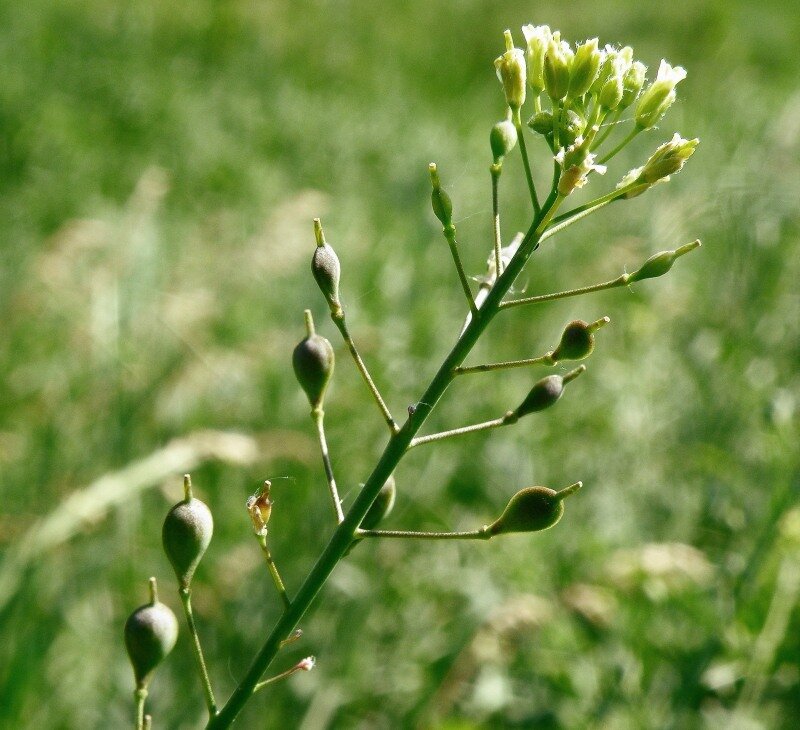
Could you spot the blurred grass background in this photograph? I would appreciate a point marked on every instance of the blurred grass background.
(159, 167)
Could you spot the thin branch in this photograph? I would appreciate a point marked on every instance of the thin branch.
(546, 359)
(526, 163)
(186, 600)
(273, 570)
(450, 235)
(508, 419)
(318, 416)
(619, 281)
(481, 534)
(496, 169)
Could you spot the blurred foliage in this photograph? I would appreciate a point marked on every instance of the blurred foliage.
(159, 167)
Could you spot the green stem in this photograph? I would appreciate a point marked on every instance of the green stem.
(186, 600)
(624, 142)
(318, 416)
(526, 163)
(339, 320)
(496, 169)
(482, 534)
(546, 359)
(506, 420)
(283, 675)
(140, 695)
(608, 130)
(450, 234)
(273, 570)
(619, 281)
(345, 533)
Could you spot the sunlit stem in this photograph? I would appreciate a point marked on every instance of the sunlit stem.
(573, 216)
(608, 130)
(450, 234)
(186, 600)
(148, 723)
(507, 420)
(338, 318)
(481, 534)
(318, 416)
(140, 696)
(546, 359)
(622, 144)
(496, 169)
(549, 215)
(273, 569)
(526, 163)
(306, 665)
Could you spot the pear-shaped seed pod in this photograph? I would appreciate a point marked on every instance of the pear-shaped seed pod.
(532, 509)
(546, 392)
(440, 200)
(542, 122)
(313, 362)
(657, 265)
(577, 340)
(502, 139)
(326, 269)
(382, 506)
(150, 633)
(186, 533)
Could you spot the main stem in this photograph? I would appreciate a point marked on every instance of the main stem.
(345, 533)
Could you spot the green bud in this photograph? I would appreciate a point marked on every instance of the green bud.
(572, 127)
(583, 69)
(503, 139)
(577, 340)
(511, 72)
(382, 506)
(660, 263)
(659, 96)
(557, 61)
(186, 533)
(440, 200)
(537, 39)
(632, 83)
(546, 392)
(542, 123)
(313, 362)
(150, 634)
(326, 269)
(532, 509)
(668, 159)
(577, 162)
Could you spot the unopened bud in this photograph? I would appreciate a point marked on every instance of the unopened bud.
(542, 122)
(313, 362)
(583, 69)
(577, 340)
(668, 159)
(326, 269)
(186, 533)
(537, 39)
(546, 392)
(532, 509)
(659, 96)
(632, 83)
(511, 72)
(503, 139)
(440, 200)
(557, 61)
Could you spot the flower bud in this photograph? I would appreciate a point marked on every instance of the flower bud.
(511, 72)
(326, 269)
(542, 122)
(440, 200)
(532, 509)
(577, 340)
(150, 633)
(557, 62)
(382, 506)
(659, 96)
(577, 162)
(546, 392)
(668, 159)
(186, 533)
(313, 361)
(583, 69)
(503, 139)
(632, 83)
(572, 126)
(537, 38)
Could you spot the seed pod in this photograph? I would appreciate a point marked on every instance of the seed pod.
(546, 392)
(657, 265)
(382, 505)
(440, 200)
(502, 139)
(577, 340)
(542, 122)
(326, 269)
(186, 534)
(150, 633)
(313, 363)
(532, 509)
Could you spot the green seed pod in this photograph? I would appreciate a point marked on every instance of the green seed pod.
(542, 123)
(577, 340)
(150, 633)
(313, 361)
(532, 509)
(440, 200)
(186, 534)
(657, 265)
(382, 506)
(546, 392)
(326, 269)
(502, 139)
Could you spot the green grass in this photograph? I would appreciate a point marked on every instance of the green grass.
(159, 169)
